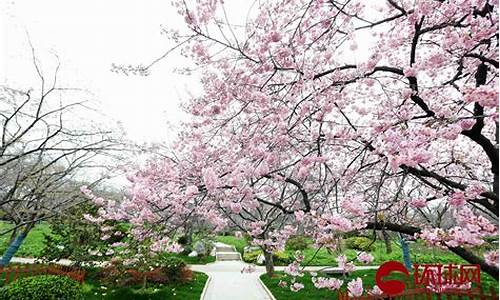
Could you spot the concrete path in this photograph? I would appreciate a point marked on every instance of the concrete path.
(28, 260)
(62, 262)
(227, 279)
(225, 252)
(229, 283)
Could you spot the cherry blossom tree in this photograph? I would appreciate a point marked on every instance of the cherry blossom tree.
(302, 123)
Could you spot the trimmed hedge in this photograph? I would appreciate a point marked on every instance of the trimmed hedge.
(42, 287)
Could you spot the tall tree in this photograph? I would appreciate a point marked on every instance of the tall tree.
(295, 128)
(46, 149)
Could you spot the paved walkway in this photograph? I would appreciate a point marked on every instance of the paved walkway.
(63, 262)
(28, 260)
(229, 283)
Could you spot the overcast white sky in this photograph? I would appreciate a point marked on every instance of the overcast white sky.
(88, 36)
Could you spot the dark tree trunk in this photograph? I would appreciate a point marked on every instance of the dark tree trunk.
(387, 241)
(13, 235)
(189, 235)
(269, 263)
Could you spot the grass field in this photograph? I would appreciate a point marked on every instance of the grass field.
(32, 245)
(181, 291)
(311, 292)
(419, 252)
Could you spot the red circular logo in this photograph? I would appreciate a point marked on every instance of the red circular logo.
(391, 287)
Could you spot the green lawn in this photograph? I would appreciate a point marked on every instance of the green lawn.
(310, 292)
(420, 253)
(32, 245)
(181, 291)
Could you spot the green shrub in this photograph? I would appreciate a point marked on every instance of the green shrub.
(42, 287)
(251, 257)
(298, 242)
(360, 243)
(203, 247)
(4, 292)
(282, 258)
(172, 267)
(279, 258)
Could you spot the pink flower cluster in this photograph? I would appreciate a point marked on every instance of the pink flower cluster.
(485, 95)
(344, 265)
(294, 270)
(491, 258)
(355, 287)
(295, 287)
(470, 231)
(327, 283)
(365, 258)
(418, 203)
(354, 206)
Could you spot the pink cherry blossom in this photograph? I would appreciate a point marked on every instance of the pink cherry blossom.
(295, 287)
(210, 179)
(491, 257)
(354, 206)
(191, 190)
(418, 203)
(457, 199)
(274, 36)
(375, 291)
(294, 270)
(365, 258)
(355, 287)
(236, 207)
(344, 265)
(328, 283)
(291, 132)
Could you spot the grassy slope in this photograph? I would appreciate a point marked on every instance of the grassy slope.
(310, 292)
(32, 245)
(186, 291)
